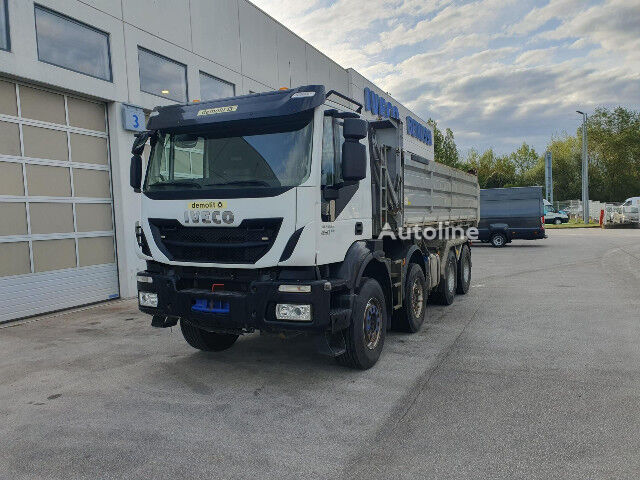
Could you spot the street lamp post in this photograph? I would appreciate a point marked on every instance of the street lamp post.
(585, 169)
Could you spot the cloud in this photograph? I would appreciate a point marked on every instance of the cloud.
(497, 72)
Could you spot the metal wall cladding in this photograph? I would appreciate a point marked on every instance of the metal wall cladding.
(437, 193)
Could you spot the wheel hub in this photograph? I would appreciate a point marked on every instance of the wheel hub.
(372, 323)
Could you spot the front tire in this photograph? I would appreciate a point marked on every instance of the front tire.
(447, 288)
(557, 221)
(464, 271)
(411, 317)
(498, 240)
(365, 336)
(206, 341)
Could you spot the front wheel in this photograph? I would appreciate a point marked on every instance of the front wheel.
(365, 336)
(557, 221)
(498, 240)
(206, 341)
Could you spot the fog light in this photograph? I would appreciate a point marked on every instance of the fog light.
(294, 288)
(148, 299)
(293, 312)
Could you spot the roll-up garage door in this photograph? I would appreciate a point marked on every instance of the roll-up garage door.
(57, 245)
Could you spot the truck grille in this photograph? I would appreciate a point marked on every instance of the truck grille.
(246, 243)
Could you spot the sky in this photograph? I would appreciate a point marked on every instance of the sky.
(497, 72)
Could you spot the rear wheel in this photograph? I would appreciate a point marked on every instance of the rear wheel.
(365, 336)
(447, 288)
(498, 240)
(411, 316)
(464, 271)
(557, 221)
(206, 341)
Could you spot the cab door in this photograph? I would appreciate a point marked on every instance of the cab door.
(345, 213)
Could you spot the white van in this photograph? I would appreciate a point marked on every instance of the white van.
(630, 210)
(551, 215)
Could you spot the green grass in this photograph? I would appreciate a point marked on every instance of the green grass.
(572, 223)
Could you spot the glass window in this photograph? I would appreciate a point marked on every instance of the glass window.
(70, 44)
(273, 158)
(212, 88)
(5, 43)
(332, 141)
(162, 76)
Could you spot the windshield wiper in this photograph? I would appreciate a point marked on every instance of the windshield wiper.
(257, 183)
(178, 183)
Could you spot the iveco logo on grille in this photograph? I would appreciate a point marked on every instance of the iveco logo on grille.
(208, 216)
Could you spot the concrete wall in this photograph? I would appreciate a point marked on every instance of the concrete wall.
(230, 39)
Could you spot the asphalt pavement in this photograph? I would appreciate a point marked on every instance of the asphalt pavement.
(535, 373)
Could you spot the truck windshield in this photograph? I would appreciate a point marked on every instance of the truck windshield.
(197, 161)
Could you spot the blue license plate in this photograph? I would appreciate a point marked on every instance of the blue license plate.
(210, 306)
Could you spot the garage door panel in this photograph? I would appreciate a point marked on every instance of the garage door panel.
(42, 105)
(9, 139)
(13, 218)
(14, 258)
(11, 180)
(53, 249)
(54, 254)
(91, 183)
(45, 143)
(56, 290)
(46, 181)
(51, 218)
(94, 217)
(8, 102)
(84, 114)
(95, 251)
(88, 149)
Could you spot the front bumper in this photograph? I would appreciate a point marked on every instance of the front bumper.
(243, 311)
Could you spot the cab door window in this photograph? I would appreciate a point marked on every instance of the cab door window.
(332, 141)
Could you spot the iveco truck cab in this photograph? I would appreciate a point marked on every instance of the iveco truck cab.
(264, 212)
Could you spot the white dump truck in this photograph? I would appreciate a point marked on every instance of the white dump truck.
(297, 211)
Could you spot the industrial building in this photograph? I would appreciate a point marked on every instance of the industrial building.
(77, 78)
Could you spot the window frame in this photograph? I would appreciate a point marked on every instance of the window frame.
(5, 5)
(337, 140)
(186, 79)
(37, 6)
(201, 73)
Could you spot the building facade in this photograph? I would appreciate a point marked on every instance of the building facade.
(76, 76)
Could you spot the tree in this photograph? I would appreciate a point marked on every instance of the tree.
(444, 145)
(614, 150)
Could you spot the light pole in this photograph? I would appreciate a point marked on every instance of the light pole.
(585, 169)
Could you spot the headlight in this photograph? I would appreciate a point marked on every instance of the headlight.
(294, 288)
(293, 312)
(148, 299)
(144, 278)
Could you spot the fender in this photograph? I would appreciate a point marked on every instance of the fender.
(359, 255)
(414, 253)
(500, 227)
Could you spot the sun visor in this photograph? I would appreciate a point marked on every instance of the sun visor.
(293, 105)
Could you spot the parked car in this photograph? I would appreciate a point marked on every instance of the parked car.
(508, 214)
(551, 215)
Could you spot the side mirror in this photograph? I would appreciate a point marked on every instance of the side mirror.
(354, 128)
(135, 173)
(354, 154)
(138, 144)
(354, 161)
